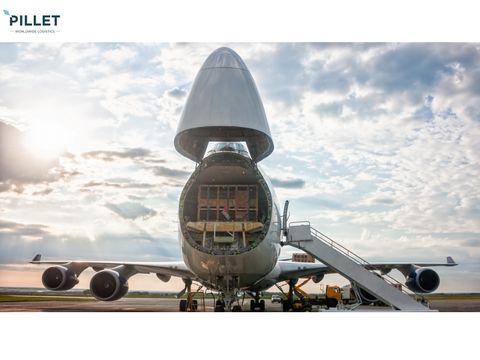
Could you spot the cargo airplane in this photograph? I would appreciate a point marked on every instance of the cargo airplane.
(230, 224)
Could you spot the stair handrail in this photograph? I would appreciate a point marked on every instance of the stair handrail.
(350, 254)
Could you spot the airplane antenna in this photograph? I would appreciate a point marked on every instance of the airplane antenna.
(285, 219)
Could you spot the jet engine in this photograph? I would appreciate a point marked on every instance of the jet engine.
(423, 280)
(164, 278)
(366, 297)
(59, 278)
(108, 285)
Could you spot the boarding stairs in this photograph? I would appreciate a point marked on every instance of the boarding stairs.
(302, 236)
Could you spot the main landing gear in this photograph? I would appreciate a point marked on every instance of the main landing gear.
(219, 305)
(288, 301)
(256, 304)
(184, 306)
(191, 304)
(287, 304)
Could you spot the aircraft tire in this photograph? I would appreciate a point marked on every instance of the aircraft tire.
(183, 305)
(331, 303)
(297, 306)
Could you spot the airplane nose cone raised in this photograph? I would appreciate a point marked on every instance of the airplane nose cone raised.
(224, 58)
(223, 105)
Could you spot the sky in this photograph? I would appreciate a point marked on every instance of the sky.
(377, 145)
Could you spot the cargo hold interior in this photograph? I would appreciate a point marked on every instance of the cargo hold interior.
(225, 208)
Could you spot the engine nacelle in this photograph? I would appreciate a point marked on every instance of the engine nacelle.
(108, 285)
(317, 278)
(59, 278)
(164, 278)
(423, 280)
(366, 297)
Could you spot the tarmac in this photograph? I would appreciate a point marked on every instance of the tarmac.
(172, 305)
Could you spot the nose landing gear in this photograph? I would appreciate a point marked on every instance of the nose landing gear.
(227, 303)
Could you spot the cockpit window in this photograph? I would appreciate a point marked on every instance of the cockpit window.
(236, 147)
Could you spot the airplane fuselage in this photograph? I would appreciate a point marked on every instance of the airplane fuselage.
(230, 267)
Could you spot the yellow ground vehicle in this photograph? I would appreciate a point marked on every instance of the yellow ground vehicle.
(330, 298)
(333, 295)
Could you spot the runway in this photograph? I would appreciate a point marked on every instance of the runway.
(125, 304)
(171, 305)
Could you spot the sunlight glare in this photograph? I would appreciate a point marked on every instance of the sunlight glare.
(47, 140)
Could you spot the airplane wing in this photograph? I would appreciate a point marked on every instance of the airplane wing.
(168, 268)
(385, 268)
(295, 270)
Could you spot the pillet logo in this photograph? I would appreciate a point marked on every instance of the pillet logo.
(40, 24)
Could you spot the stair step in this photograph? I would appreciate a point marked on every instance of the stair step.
(345, 263)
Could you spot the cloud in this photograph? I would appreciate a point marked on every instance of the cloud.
(131, 210)
(177, 93)
(25, 231)
(20, 242)
(169, 172)
(129, 184)
(288, 183)
(19, 166)
(132, 153)
(45, 191)
(472, 242)
(119, 55)
(407, 67)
